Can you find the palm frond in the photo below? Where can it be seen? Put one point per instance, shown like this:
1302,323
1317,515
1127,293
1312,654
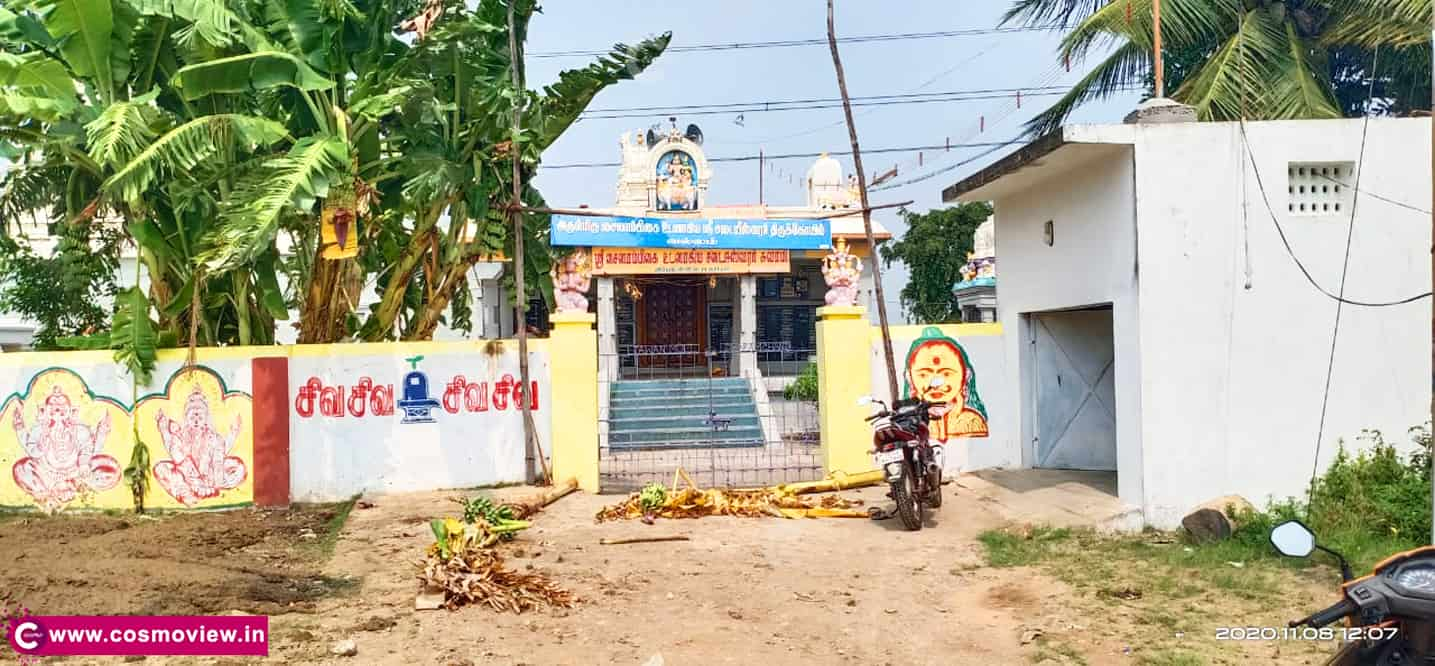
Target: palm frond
1127,65
1051,13
250,216
1371,23
1183,23
121,131
1228,85
1296,90
184,147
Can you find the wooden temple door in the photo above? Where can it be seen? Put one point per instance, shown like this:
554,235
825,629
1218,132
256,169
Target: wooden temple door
673,314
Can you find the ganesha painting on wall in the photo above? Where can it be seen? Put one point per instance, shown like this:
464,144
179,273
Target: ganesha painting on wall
66,438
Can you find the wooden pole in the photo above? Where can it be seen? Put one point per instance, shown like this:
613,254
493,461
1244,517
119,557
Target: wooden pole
866,210
1159,66
530,436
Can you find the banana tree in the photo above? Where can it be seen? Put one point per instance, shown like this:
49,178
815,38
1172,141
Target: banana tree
83,103
457,159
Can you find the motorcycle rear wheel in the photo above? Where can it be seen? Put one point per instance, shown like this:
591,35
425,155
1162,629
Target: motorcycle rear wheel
908,509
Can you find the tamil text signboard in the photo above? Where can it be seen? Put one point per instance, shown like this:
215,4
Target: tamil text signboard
691,233
642,261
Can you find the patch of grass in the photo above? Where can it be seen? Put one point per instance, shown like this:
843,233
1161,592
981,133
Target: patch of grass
324,545
1061,652
1171,657
1015,548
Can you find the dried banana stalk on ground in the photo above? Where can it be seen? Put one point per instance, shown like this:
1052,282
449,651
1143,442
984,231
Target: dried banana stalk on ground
694,502
477,576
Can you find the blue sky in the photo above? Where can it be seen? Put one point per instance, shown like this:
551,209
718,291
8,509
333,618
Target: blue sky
978,62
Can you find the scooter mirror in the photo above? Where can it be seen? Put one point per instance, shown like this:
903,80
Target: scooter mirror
864,400
1293,539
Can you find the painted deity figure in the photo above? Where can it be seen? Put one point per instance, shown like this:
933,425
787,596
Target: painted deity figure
676,189
64,457
936,355
571,279
200,466
841,271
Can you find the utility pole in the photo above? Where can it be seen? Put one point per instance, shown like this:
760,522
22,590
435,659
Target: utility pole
530,436
866,209
760,167
1158,65
1432,249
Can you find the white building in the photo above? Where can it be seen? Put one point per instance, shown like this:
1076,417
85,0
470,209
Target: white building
1159,326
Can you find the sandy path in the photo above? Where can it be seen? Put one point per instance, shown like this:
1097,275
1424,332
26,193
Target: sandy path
742,591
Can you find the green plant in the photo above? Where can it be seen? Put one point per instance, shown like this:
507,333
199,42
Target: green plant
652,497
482,508
1274,59
804,387
935,249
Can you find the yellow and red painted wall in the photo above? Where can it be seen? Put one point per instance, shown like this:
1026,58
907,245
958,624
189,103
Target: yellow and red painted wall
266,425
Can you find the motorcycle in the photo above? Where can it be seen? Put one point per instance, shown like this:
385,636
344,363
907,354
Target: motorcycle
911,464
1389,615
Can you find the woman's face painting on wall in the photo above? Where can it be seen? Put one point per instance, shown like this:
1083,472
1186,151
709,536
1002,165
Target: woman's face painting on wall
938,359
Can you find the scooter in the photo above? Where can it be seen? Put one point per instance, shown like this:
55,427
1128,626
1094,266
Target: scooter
1389,615
902,449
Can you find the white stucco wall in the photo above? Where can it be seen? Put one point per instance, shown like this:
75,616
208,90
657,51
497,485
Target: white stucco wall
1087,194
1221,343
1233,377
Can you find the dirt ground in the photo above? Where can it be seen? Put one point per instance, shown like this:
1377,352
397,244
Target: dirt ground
741,591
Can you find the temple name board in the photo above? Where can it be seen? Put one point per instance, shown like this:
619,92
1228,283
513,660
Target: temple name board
639,261
691,233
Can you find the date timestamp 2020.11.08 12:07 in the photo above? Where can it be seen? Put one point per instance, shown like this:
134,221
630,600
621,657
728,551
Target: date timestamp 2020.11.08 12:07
1305,633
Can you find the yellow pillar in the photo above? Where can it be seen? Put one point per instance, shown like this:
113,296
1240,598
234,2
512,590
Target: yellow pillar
844,374
573,352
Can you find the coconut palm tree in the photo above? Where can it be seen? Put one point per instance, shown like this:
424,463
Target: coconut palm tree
1271,59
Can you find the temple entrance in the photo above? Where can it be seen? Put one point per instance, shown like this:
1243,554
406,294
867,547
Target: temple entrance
672,315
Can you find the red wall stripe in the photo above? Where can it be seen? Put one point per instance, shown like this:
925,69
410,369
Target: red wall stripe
271,431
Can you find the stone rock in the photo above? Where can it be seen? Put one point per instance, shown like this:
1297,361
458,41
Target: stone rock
345,648
1216,519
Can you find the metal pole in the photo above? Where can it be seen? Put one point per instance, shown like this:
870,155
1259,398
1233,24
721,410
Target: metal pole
1432,249
530,436
760,161
866,210
1156,51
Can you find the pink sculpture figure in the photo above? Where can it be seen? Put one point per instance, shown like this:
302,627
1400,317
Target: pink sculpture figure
200,466
571,279
841,271
64,456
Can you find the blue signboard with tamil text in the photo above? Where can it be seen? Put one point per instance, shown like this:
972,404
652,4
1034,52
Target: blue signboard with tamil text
696,233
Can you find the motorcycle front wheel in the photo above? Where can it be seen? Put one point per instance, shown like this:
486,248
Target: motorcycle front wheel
904,492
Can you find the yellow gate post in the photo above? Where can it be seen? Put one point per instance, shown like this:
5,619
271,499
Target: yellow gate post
573,346
844,374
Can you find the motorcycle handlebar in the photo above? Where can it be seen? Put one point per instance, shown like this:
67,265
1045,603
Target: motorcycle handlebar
1334,613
